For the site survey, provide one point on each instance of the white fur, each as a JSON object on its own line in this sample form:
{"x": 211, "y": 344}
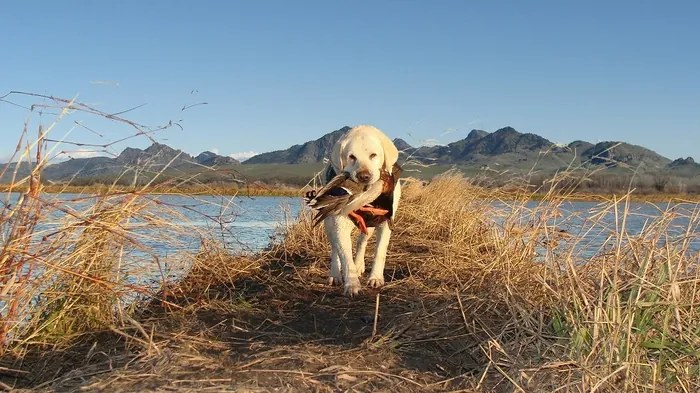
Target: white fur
{"x": 363, "y": 149}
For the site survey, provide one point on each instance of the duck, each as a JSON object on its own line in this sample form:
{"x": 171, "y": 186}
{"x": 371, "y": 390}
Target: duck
{"x": 381, "y": 208}
{"x": 366, "y": 205}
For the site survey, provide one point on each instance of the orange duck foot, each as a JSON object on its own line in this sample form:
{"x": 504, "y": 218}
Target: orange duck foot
{"x": 360, "y": 222}
{"x": 375, "y": 211}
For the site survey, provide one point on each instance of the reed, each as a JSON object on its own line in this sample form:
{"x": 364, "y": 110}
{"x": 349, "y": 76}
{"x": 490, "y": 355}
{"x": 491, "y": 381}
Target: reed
{"x": 75, "y": 264}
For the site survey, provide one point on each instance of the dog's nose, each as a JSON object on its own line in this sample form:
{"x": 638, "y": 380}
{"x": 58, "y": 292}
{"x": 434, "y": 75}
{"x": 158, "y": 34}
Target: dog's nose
{"x": 363, "y": 176}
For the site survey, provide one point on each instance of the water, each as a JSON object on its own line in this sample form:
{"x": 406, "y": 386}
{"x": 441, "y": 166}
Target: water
{"x": 597, "y": 226}
{"x": 159, "y": 242}
{"x": 248, "y": 224}
{"x": 165, "y": 236}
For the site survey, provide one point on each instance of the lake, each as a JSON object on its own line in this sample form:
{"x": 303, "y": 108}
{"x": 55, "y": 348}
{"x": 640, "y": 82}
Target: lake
{"x": 597, "y": 225}
{"x": 248, "y": 224}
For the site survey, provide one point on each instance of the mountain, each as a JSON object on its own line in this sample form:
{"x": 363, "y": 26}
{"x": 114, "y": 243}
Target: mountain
{"x": 683, "y": 162}
{"x": 156, "y": 154}
{"x": 402, "y": 145}
{"x": 579, "y": 147}
{"x": 503, "y": 150}
{"x": 208, "y": 158}
{"x": 309, "y": 152}
{"x": 620, "y": 153}
{"x": 684, "y": 167}
{"x": 507, "y": 148}
{"x": 148, "y": 162}
{"x": 479, "y": 144}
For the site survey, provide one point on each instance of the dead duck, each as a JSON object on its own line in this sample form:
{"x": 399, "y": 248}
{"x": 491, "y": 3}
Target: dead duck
{"x": 366, "y": 205}
{"x": 382, "y": 207}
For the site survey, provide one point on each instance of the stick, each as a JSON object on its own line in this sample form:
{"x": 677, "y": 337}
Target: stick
{"x": 464, "y": 316}
{"x": 376, "y": 316}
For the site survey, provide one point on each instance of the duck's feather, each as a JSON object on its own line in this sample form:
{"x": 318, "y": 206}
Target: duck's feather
{"x": 385, "y": 200}
{"x": 336, "y": 181}
{"x": 341, "y": 196}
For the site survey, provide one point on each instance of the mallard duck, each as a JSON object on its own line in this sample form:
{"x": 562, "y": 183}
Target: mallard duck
{"x": 361, "y": 202}
{"x": 382, "y": 207}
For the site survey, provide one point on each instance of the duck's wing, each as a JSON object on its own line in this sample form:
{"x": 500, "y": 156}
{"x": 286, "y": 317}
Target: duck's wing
{"x": 312, "y": 198}
{"x": 341, "y": 196}
{"x": 343, "y": 199}
{"x": 366, "y": 196}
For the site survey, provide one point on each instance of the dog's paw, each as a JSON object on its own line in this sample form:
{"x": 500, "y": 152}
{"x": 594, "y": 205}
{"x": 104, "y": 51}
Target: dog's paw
{"x": 375, "y": 282}
{"x": 335, "y": 281}
{"x": 352, "y": 287}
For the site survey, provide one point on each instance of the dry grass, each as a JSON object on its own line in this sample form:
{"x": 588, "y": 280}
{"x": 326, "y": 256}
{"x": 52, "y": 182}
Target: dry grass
{"x": 486, "y": 291}
{"x": 480, "y": 296}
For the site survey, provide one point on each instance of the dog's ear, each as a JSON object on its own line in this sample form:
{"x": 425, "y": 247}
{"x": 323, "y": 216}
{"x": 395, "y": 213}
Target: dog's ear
{"x": 337, "y": 154}
{"x": 391, "y": 153}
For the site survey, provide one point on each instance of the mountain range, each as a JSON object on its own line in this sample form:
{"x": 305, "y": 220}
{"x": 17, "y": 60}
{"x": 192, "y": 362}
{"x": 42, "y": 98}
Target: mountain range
{"x": 504, "y": 149}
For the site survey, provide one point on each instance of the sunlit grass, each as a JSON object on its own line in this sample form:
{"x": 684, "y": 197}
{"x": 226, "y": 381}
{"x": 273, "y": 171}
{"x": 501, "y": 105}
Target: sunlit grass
{"x": 486, "y": 291}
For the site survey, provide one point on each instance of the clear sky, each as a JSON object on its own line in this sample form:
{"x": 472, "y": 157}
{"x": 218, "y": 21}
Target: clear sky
{"x": 277, "y": 73}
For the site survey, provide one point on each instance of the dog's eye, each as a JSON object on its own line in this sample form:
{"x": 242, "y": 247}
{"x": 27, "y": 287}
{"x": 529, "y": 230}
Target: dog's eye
{"x": 372, "y": 156}
{"x": 352, "y": 157}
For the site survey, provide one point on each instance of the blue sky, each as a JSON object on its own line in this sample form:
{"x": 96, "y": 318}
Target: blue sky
{"x": 277, "y": 73}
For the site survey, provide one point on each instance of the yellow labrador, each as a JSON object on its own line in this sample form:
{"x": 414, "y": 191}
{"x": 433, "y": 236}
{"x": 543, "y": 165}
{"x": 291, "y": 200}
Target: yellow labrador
{"x": 364, "y": 152}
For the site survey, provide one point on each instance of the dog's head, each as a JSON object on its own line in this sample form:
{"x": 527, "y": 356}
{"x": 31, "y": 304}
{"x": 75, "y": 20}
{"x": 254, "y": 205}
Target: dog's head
{"x": 363, "y": 153}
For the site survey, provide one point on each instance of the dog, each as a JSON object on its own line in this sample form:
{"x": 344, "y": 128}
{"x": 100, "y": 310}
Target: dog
{"x": 366, "y": 155}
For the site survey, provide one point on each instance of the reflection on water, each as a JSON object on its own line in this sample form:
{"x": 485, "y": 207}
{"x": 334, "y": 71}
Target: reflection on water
{"x": 248, "y": 224}
{"x": 595, "y": 227}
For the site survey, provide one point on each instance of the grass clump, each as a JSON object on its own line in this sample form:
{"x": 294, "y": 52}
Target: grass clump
{"x": 73, "y": 265}
{"x": 633, "y": 322}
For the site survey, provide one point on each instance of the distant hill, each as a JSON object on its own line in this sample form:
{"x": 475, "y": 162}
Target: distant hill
{"x": 148, "y": 162}
{"x": 620, "y": 153}
{"x": 402, "y": 145}
{"x": 309, "y": 152}
{"x": 684, "y": 167}
{"x": 211, "y": 159}
{"x": 503, "y": 150}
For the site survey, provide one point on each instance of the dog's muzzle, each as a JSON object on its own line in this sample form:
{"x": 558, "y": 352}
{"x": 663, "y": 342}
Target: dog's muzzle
{"x": 364, "y": 176}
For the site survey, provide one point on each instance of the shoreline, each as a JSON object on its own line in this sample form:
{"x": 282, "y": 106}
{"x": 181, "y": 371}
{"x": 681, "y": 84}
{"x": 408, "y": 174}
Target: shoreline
{"x": 289, "y": 191}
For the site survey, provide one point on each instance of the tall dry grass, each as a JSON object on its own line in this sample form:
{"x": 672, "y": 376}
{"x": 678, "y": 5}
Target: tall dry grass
{"x": 486, "y": 291}
{"x": 536, "y": 297}
{"x": 626, "y": 317}
{"x": 80, "y": 263}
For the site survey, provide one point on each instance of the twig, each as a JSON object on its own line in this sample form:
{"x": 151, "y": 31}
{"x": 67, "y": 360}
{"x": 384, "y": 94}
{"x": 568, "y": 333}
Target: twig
{"x": 464, "y": 316}
{"x": 376, "y": 316}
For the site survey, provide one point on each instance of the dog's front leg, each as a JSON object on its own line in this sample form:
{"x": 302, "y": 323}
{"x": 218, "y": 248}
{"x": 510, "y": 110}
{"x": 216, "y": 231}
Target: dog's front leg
{"x": 376, "y": 276}
{"x": 336, "y": 276}
{"x": 339, "y": 231}
{"x": 360, "y": 250}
